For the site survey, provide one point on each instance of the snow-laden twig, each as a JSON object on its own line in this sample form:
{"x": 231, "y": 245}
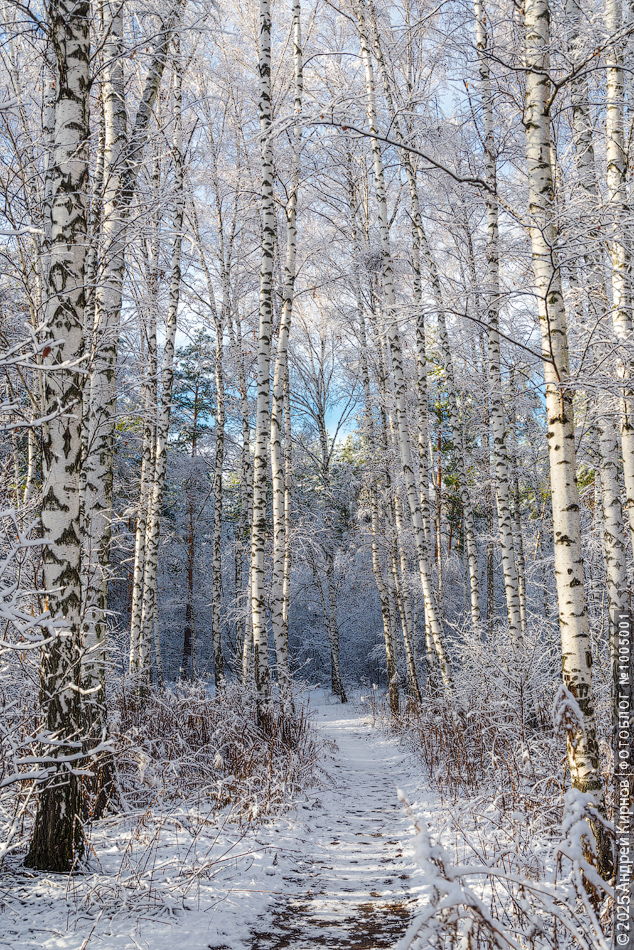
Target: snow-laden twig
{"x": 488, "y": 906}
{"x": 567, "y": 715}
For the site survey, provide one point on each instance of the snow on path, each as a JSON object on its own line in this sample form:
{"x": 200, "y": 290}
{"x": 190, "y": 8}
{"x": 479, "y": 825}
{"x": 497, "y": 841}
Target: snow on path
{"x": 355, "y": 884}
{"x": 336, "y": 871}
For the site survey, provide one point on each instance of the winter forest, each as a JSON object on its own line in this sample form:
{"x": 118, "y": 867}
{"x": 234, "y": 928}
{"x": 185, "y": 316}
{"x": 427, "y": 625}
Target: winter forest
{"x": 317, "y": 515}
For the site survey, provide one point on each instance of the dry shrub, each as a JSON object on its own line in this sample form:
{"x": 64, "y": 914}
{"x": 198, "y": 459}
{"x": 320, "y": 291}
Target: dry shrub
{"x": 495, "y": 737}
{"x": 486, "y": 905}
{"x": 499, "y": 766}
{"x": 180, "y": 748}
{"x": 183, "y": 744}
{"x": 474, "y": 753}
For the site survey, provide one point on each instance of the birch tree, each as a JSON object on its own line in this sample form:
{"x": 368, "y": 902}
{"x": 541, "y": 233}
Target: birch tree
{"x": 260, "y": 455}
{"x": 423, "y": 248}
{"x": 150, "y": 393}
{"x": 496, "y": 405}
{"x": 280, "y": 470}
{"x": 620, "y": 252}
{"x": 58, "y": 841}
{"x": 396, "y": 357}
{"x": 583, "y": 750}
{"x": 389, "y": 637}
{"x": 153, "y": 529}
{"x": 123, "y": 153}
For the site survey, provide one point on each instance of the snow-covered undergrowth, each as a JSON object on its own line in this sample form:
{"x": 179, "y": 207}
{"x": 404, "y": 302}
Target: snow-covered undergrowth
{"x": 485, "y": 903}
{"x": 505, "y": 856}
{"x": 182, "y": 744}
{"x": 198, "y": 782}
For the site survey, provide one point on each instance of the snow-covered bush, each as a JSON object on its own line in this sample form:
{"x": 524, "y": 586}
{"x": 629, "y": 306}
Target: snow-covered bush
{"x": 488, "y": 905}
{"x": 183, "y": 744}
{"x": 496, "y": 734}
{"x": 496, "y": 754}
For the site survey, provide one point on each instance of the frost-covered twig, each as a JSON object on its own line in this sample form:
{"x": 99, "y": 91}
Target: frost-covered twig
{"x": 486, "y": 905}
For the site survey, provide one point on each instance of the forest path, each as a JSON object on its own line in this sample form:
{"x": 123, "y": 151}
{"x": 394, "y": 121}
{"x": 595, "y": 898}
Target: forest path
{"x": 353, "y": 883}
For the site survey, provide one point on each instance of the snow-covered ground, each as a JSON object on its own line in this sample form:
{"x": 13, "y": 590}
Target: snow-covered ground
{"x": 352, "y": 882}
{"x": 336, "y": 871}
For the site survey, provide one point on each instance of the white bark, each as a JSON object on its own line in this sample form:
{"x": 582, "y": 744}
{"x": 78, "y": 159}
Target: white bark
{"x": 608, "y": 441}
{"x": 425, "y": 249}
{"x": 288, "y": 503}
{"x": 221, "y": 320}
{"x": 188, "y": 670}
{"x": 243, "y": 598}
{"x": 423, "y": 418}
{"x": 388, "y": 631}
{"x": 279, "y": 470}
{"x": 496, "y": 404}
{"x": 260, "y": 456}
{"x": 405, "y": 601}
{"x": 583, "y": 751}
{"x": 57, "y": 836}
{"x": 519, "y": 545}
{"x": 617, "y": 152}
{"x": 122, "y": 158}
{"x": 150, "y": 402}
{"x": 400, "y": 386}
{"x": 100, "y": 395}
{"x": 149, "y": 610}
{"x": 216, "y": 615}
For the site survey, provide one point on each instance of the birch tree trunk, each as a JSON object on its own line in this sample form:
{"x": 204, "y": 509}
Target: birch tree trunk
{"x": 608, "y": 441}
{"x": 260, "y": 456}
{"x": 519, "y": 544}
{"x": 405, "y": 603}
{"x": 400, "y": 600}
{"x": 490, "y": 556}
{"x": 187, "y": 666}
{"x": 496, "y": 404}
{"x": 187, "y": 670}
{"x": 384, "y": 599}
{"x": 279, "y": 470}
{"x": 400, "y": 386}
{"x": 620, "y": 253}
{"x": 382, "y": 453}
{"x": 100, "y": 407}
{"x": 288, "y": 503}
{"x": 583, "y": 751}
{"x": 150, "y": 403}
{"x": 57, "y": 840}
{"x": 243, "y": 599}
{"x": 423, "y": 419}
{"x": 422, "y": 395}
{"x": 386, "y": 615}
{"x": 122, "y": 159}
{"x": 424, "y": 248}
{"x": 216, "y": 613}
{"x": 439, "y": 506}
{"x": 153, "y": 531}
{"x": 333, "y": 627}
{"x": 221, "y": 319}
